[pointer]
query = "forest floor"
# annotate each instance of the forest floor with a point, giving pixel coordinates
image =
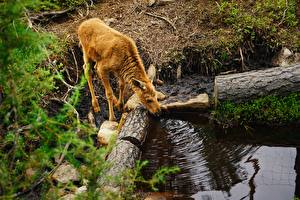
(192, 34)
(185, 23)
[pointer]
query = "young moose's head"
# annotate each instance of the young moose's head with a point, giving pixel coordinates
(147, 95)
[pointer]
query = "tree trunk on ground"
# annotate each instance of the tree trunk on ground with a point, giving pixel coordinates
(127, 149)
(243, 87)
(135, 126)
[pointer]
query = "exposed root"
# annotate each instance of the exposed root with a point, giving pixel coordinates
(44, 16)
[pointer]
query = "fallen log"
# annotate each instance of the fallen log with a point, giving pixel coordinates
(245, 86)
(127, 149)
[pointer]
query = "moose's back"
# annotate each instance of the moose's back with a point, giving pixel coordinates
(100, 42)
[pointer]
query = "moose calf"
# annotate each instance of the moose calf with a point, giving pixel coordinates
(114, 52)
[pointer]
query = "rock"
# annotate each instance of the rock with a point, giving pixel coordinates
(107, 130)
(151, 2)
(133, 102)
(66, 173)
(80, 190)
(160, 96)
(200, 102)
(109, 21)
(285, 58)
(68, 197)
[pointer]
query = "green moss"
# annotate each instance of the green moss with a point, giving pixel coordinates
(265, 110)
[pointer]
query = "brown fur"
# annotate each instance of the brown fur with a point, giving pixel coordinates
(114, 52)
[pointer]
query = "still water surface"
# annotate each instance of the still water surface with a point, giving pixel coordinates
(219, 168)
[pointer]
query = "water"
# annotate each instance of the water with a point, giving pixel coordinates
(219, 168)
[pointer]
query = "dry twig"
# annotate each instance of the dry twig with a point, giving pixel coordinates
(49, 15)
(76, 64)
(284, 12)
(244, 67)
(163, 18)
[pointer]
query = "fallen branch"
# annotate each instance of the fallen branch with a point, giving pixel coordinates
(50, 14)
(76, 64)
(162, 18)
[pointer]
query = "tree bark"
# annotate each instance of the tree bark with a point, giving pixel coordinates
(243, 87)
(135, 126)
(127, 149)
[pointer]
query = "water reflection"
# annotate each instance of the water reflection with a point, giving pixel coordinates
(217, 169)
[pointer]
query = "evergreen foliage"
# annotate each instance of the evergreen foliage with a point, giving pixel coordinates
(30, 140)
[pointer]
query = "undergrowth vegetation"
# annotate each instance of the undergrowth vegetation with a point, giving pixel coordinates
(265, 110)
(48, 5)
(258, 24)
(254, 30)
(32, 143)
(275, 21)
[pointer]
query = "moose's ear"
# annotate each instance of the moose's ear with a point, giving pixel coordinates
(139, 84)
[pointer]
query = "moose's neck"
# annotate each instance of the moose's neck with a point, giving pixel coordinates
(134, 69)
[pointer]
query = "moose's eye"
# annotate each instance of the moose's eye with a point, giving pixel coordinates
(149, 101)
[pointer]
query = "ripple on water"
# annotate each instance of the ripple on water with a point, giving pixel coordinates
(212, 168)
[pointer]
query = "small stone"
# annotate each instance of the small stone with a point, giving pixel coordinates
(151, 2)
(286, 52)
(160, 96)
(109, 21)
(107, 130)
(282, 59)
(68, 197)
(81, 189)
(66, 173)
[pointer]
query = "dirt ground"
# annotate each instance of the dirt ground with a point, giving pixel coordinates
(185, 23)
(159, 31)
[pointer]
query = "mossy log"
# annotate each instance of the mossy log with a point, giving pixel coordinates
(242, 87)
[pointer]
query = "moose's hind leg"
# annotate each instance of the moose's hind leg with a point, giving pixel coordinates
(88, 76)
(104, 76)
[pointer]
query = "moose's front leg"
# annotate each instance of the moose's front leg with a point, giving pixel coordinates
(120, 102)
